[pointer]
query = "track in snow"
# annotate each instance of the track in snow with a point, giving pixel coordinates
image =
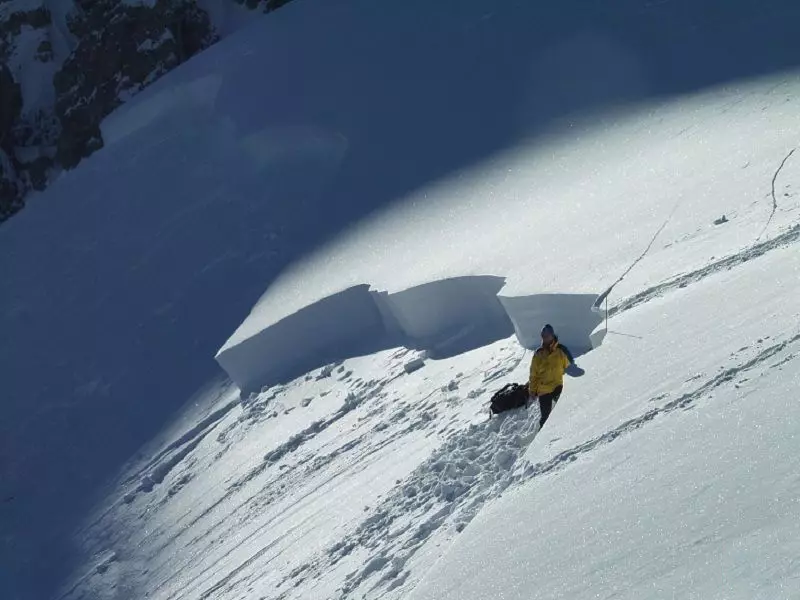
(445, 491)
(563, 459)
(790, 236)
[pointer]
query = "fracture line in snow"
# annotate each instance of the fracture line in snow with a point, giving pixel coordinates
(727, 263)
(562, 459)
(601, 298)
(774, 196)
(756, 250)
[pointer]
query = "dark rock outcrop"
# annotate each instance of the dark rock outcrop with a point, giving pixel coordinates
(122, 49)
(10, 107)
(116, 49)
(264, 5)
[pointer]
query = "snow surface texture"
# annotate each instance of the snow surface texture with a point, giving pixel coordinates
(123, 279)
(688, 487)
(366, 475)
(328, 493)
(352, 480)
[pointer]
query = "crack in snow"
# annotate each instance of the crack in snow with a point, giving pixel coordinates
(727, 263)
(601, 298)
(774, 197)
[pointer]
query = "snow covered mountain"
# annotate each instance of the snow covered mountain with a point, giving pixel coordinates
(399, 195)
(66, 64)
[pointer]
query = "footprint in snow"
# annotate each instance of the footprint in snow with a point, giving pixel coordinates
(473, 466)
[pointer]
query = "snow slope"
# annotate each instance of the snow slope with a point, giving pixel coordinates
(621, 167)
(351, 480)
(671, 470)
(131, 470)
(672, 457)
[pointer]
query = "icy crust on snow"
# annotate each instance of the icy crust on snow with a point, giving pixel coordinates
(578, 215)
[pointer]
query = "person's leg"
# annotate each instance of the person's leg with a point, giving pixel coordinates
(556, 394)
(546, 403)
(545, 406)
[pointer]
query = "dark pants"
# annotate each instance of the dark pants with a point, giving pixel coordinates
(546, 402)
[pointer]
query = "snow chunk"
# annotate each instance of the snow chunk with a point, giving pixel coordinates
(569, 314)
(414, 365)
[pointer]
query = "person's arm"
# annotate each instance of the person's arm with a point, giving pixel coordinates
(567, 360)
(566, 351)
(533, 381)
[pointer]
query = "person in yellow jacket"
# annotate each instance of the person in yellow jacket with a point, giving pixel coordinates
(547, 372)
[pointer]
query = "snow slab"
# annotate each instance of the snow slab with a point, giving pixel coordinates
(670, 470)
(555, 226)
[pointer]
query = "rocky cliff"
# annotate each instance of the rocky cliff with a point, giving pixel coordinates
(66, 64)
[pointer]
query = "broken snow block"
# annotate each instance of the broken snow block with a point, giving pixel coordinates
(414, 365)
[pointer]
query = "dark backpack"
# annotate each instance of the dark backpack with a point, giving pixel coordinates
(513, 395)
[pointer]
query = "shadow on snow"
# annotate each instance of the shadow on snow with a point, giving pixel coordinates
(117, 293)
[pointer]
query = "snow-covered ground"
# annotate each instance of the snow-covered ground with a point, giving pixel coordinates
(671, 469)
(347, 478)
(440, 200)
(668, 469)
(355, 477)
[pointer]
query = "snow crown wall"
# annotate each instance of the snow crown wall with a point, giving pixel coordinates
(443, 318)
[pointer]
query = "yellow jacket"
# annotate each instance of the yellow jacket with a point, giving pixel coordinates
(547, 370)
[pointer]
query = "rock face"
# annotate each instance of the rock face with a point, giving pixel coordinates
(66, 64)
(265, 5)
(136, 45)
(10, 106)
(22, 25)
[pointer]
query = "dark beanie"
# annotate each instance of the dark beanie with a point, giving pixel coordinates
(548, 329)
